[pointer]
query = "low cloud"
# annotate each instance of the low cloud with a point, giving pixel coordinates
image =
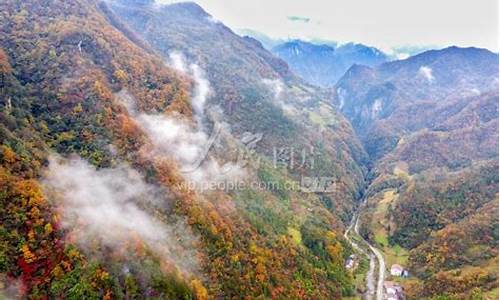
(426, 72)
(213, 20)
(177, 61)
(114, 207)
(277, 87)
(202, 88)
(187, 143)
(160, 3)
(403, 55)
(189, 147)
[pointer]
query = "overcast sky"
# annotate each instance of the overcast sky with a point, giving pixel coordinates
(381, 23)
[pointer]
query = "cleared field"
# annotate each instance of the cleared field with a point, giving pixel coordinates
(393, 254)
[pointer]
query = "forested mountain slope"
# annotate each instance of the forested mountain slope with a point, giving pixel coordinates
(99, 124)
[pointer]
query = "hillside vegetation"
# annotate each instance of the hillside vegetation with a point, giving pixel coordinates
(94, 202)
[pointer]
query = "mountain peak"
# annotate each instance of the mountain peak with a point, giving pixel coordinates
(183, 9)
(357, 70)
(456, 50)
(253, 41)
(299, 46)
(187, 8)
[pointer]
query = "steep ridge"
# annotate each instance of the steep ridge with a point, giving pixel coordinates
(94, 126)
(262, 96)
(61, 62)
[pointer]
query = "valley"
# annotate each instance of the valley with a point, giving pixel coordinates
(396, 180)
(405, 151)
(150, 152)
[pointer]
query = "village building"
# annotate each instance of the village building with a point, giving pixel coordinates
(393, 291)
(397, 270)
(350, 262)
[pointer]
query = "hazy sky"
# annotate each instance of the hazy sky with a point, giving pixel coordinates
(381, 23)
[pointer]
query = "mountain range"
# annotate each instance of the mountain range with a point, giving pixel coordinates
(323, 62)
(323, 65)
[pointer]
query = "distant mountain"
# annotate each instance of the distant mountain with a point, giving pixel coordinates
(403, 52)
(267, 41)
(324, 64)
(372, 97)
